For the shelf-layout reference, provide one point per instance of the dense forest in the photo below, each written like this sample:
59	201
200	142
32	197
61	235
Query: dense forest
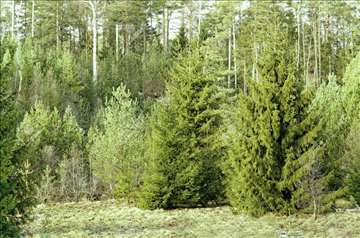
169	104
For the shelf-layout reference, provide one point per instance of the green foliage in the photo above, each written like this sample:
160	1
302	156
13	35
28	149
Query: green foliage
180	43
351	90
288	148
352	161
103	219
266	127
15	194
45	140
183	150
116	146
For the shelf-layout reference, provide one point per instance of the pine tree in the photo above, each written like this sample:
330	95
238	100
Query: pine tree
116	146
183	142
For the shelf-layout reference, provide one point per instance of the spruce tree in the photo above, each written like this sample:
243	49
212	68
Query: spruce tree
265	128
14	195
183	141
352	161
310	174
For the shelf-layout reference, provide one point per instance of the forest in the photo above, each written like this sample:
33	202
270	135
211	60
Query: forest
241	109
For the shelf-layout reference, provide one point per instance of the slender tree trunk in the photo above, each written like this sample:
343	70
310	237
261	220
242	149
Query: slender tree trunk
13	19
298	38
164	20
315	208
234	54
190	20
20	82
32	18
304	50
93	4
126	30
117	41
199	23
151	16
57	25
244	79
256	61
168	14
308	63
144	40
315	51
319	47
229	58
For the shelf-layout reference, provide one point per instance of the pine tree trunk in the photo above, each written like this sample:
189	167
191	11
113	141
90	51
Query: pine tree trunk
319	48
57	25
244	79
93	6
304	51
298	38
234	54
13	19
229	58
199	23
126	30
315	51
256	62
190	19
32	18
117	41
144	40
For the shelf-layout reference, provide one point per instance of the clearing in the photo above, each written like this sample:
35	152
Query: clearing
109	219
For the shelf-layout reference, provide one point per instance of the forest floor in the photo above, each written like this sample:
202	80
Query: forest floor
109	219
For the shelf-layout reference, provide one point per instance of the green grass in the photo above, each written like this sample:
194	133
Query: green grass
109	219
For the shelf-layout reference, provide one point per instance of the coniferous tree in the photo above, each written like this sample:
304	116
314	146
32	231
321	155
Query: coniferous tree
15	196
183	149
352	161
179	43
115	148
265	128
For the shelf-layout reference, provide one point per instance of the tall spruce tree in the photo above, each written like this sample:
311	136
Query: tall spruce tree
265	127
311	173
183	146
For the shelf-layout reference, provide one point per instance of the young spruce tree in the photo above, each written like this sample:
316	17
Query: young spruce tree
15	196
183	143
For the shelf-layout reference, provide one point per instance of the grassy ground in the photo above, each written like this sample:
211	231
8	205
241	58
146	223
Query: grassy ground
108	219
